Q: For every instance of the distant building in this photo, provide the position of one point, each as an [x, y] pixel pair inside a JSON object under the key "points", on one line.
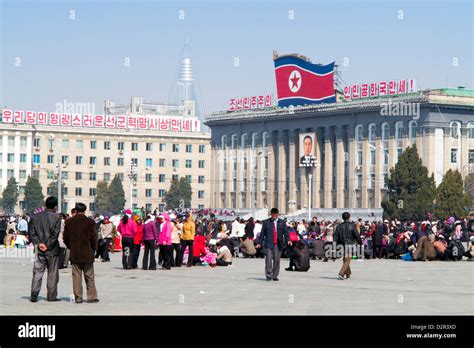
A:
{"points": [[255, 154]]}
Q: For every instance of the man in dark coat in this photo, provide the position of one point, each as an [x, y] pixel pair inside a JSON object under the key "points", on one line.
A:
{"points": [[273, 237], [380, 231], [346, 235], [44, 234], [299, 260], [80, 237]]}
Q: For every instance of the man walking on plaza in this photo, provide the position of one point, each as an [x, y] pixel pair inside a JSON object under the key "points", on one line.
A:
{"points": [[346, 235], [273, 237], [80, 236], [44, 234]]}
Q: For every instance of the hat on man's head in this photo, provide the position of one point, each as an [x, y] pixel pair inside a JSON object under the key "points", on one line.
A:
{"points": [[12, 219], [128, 211]]}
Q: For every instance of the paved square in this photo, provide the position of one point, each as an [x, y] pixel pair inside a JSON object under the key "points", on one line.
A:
{"points": [[377, 287]]}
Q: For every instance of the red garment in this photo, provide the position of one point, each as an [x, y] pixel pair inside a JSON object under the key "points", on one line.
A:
{"points": [[274, 233], [138, 237], [199, 246]]}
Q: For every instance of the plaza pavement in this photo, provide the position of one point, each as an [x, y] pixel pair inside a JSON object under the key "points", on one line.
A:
{"points": [[376, 287]]}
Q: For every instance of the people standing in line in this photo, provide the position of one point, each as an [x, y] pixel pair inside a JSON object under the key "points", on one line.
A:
{"points": [[80, 236], [137, 241], [150, 239], [273, 237], [177, 227], [347, 236], [187, 239], [164, 241], [107, 231], [44, 234], [127, 229]]}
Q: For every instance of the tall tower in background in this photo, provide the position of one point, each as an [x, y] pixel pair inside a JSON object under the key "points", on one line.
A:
{"points": [[185, 89]]}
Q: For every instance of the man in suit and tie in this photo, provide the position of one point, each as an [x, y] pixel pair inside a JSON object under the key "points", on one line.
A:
{"points": [[273, 237]]}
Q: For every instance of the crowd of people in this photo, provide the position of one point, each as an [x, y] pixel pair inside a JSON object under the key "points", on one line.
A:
{"points": [[187, 237]]}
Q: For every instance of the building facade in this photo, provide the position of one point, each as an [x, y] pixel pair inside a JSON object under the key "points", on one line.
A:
{"points": [[255, 153], [89, 155]]}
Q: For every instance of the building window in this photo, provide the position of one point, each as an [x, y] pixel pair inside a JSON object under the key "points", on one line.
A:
{"points": [[22, 174], [120, 161], [175, 163], [23, 141], [372, 132], [470, 130], [162, 162], [149, 146], [64, 159], [189, 148], [78, 175], [471, 156], [161, 207], [175, 147], [120, 176], [201, 164], [91, 206], [161, 178], [189, 178], [11, 173], [36, 174], [23, 157], [149, 162], [106, 176], [106, 145], [50, 143], [50, 159], [11, 157], [11, 141], [454, 155], [78, 191], [106, 161], [162, 147], [189, 163], [175, 177], [135, 161], [202, 148], [455, 129], [92, 176], [161, 193], [412, 130], [134, 146], [79, 160], [36, 142], [201, 179], [65, 143], [120, 146], [65, 175], [92, 160], [148, 177], [200, 194], [79, 144], [36, 159], [134, 193], [93, 144], [92, 191], [148, 192]]}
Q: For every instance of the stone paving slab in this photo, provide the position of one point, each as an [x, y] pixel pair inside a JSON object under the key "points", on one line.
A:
{"points": [[376, 287]]}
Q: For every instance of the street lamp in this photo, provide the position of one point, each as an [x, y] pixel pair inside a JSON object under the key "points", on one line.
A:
{"points": [[133, 177]]}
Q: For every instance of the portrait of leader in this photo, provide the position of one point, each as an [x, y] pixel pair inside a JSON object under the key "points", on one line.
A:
{"points": [[307, 158]]}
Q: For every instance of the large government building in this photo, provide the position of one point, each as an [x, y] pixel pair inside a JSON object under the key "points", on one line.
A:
{"points": [[161, 149], [256, 154]]}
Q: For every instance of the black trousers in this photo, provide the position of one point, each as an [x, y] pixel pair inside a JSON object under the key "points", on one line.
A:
{"points": [[175, 255], [196, 260], [100, 248], [189, 244], [150, 247], [135, 255], [64, 258], [127, 243], [221, 262], [378, 251], [105, 252], [165, 251]]}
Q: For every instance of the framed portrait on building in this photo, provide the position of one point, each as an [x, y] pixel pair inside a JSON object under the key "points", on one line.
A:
{"points": [[307, 151]]}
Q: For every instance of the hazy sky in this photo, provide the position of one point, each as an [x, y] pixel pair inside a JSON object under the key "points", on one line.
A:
{"points": [[82, 59]]}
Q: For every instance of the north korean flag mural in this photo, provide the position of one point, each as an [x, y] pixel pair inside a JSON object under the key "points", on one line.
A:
{"points": [[301, 82]]}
